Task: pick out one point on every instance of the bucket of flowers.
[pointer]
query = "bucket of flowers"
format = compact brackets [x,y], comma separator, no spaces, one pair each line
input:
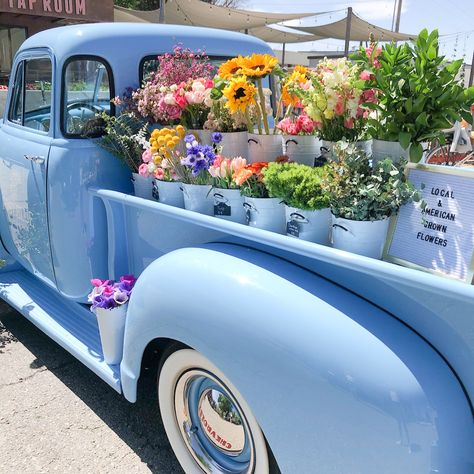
[300,187]
[193,172]
[262,210]
[228,202]
[336,101]
[109,300]
[241,83]
[160,160]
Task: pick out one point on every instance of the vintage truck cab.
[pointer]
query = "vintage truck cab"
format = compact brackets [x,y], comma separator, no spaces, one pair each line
[327,361]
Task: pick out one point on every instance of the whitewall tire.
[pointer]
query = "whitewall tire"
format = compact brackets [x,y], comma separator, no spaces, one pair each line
[209,425]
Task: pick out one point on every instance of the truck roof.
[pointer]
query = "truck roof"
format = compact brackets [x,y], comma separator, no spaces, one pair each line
[106,39]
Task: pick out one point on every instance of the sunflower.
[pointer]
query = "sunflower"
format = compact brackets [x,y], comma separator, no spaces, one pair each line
[258,65]
[239,94]
[231,68]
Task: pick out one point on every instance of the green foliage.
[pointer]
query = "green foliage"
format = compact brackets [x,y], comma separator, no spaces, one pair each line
[297,185]
[124,137]
[359,192]
[419,93]
[254,187]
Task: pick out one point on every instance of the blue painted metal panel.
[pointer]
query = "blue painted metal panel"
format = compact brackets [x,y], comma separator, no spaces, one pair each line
[70,324]
[337,384]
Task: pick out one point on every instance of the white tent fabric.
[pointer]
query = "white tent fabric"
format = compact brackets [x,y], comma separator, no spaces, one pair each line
[272,35]
[360,30]
[197,13]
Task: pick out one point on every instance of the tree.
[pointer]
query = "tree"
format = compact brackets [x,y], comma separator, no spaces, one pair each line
[154,4]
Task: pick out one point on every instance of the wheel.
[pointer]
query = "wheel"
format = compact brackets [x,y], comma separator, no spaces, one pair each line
[209,425]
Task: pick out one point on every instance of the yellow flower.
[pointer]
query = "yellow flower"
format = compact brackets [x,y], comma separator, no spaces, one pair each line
[231,68]
[153,149]
[329,114]
[258,65]
[176,140]
[161,141]
[155,133]
[170,144]
[301,70]
[239,94]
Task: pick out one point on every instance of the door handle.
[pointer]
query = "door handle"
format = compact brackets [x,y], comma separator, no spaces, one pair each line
[36,159]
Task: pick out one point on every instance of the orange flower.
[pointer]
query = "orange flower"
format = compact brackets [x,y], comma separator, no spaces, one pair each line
[258,65]
[242,175]
[231,68]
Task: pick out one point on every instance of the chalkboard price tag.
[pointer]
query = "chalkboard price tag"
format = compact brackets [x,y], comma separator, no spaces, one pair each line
[222,209]
[438,238]
[293,228]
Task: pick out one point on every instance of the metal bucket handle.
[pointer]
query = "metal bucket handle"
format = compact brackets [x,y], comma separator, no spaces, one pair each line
[291,140]
[343,228]
[299,217]
[220,198]
[249,207]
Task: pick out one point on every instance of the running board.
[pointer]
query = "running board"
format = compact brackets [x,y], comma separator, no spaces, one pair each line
[70,324]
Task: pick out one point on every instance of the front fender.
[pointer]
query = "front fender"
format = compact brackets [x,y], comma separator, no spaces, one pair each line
[337,385]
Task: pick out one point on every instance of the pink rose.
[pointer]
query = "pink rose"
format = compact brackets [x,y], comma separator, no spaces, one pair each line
[293,129]
[369,95]
[305,124]
[284,124]
[159,173]
[180,100]
[143,170]
[147,156]
[349,122]
[209,84]
[339,109]
[366,75]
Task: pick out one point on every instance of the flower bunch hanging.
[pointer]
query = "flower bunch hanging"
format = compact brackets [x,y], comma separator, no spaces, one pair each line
[336,100]
[108,294]
[162,157]
[223,169]
[240,81]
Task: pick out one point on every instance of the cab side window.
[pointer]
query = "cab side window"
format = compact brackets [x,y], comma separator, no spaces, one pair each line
[31,100]
[87,92]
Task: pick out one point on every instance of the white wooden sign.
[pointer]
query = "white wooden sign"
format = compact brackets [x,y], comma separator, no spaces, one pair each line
[439,238]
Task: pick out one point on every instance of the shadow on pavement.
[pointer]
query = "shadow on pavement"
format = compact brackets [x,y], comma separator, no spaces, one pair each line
[139,425]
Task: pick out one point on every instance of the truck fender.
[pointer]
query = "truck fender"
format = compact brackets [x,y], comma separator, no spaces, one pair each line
[328,375]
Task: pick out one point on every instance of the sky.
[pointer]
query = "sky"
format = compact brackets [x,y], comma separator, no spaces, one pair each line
[454,20]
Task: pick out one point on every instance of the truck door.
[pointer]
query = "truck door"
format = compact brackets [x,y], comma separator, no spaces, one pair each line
[25,140]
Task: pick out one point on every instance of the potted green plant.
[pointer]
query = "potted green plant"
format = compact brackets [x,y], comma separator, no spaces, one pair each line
[363,198]
[418,94]
[306,203]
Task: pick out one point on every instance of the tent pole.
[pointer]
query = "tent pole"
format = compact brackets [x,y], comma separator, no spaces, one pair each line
[348,31]
[471,74]
[399,14]
[161,18]
[283,55]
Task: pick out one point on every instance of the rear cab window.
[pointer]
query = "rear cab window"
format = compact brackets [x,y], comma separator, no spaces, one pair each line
[87,91]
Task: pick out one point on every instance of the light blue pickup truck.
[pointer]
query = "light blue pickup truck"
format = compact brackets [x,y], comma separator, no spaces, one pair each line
[325,361]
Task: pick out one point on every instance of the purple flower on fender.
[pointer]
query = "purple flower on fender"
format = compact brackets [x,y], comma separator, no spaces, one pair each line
[216,137]
[108,294]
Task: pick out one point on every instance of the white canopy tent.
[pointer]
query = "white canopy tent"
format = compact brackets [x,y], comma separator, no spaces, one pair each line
[197,13]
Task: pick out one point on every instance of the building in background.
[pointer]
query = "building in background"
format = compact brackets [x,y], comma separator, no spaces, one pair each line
[20,19]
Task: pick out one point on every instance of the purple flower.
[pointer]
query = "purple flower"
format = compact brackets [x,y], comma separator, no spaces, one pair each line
[189,138]
[216,137]
[109,294]
[120,297]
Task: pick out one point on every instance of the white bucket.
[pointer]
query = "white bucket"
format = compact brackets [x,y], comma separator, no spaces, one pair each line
[264,147]
[111,328]
[235,144]
[361,237]
[169,192]
[302,149]
[197,198]
[265,213]
[382,149]
[143,186]
[313,226]
[229,205]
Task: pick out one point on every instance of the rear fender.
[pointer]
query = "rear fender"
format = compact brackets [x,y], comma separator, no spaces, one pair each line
[331,379]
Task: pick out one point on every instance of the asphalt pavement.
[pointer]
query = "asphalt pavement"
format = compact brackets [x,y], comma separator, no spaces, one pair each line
[58,416]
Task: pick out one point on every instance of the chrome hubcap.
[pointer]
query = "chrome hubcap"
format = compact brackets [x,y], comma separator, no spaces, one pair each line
[212,425]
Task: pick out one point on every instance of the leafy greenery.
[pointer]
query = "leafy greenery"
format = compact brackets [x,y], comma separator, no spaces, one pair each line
[418,91]
[124,137]
[155,4]
[359,192]
[297,185]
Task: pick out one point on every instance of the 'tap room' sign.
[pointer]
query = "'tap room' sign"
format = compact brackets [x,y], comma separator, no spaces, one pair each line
[440,237]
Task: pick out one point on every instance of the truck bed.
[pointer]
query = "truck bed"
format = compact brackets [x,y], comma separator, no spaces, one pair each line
[440,310]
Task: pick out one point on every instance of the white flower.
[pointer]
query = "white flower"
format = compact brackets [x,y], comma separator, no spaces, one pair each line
[163,89]
[151,167]
[173,87]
